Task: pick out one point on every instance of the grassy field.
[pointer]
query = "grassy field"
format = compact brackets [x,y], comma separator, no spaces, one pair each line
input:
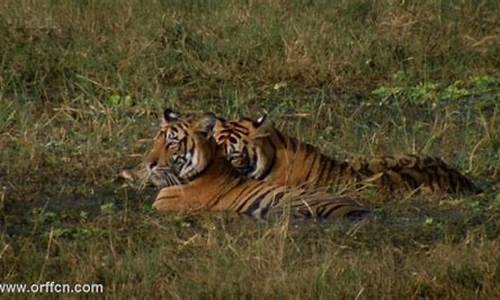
[82,84]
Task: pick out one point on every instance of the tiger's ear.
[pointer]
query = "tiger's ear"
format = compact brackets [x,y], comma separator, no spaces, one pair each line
[262,126]
[170,116]
[261,121]
[219,124]
[206,124]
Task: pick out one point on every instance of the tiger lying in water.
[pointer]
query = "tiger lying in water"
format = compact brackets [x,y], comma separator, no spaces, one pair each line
[194,176]
[262,152]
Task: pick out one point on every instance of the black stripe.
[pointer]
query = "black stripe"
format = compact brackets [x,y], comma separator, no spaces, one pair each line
[311,168]
[293,144]
[240,128]
[191,150]
[281,137]
[254,192]
[256,202]
[279,195]
[227,190]
[254,154]
[306,150]
[325,174]
[331,209]
[271,165]
[331,174]
[321,168]
[244,190]
[410,180]
[319,211]
[343,167]
[209,163]
[242,204]
[168,197]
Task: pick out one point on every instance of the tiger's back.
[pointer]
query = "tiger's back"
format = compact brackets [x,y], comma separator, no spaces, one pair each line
[264,153]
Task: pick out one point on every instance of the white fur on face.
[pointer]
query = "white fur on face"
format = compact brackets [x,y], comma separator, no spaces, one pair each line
[260,164]
[194,164]
[189,167]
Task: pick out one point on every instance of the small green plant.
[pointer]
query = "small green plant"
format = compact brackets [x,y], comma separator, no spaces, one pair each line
[454,91]
[497,201]
[431,93]
[118,101]
[108,208]
[40,216]
[386,93]
[476,207]
[84,216]
[484,84]
[423,93]
[147,208]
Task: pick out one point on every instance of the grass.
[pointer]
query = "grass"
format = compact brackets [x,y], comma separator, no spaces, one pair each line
[81,87]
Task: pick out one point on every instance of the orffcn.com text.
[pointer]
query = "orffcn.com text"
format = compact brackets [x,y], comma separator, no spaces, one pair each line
[51,287]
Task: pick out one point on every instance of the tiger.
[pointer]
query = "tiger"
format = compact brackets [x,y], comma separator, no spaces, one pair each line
[193,175]
[260,151]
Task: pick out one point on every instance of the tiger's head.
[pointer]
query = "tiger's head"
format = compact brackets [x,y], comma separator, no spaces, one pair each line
[182,149]
[246,145]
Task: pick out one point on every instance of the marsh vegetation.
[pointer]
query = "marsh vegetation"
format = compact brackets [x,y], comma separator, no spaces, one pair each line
[82,85]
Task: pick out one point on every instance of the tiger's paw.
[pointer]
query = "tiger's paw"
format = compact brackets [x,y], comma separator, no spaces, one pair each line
[162,205]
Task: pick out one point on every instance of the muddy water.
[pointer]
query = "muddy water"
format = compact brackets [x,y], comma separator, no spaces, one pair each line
[19,217]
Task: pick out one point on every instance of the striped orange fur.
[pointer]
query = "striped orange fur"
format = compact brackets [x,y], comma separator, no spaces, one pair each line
[262,152]
[194,176]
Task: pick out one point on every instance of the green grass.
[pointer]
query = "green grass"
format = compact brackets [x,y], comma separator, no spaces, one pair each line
[82,84]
